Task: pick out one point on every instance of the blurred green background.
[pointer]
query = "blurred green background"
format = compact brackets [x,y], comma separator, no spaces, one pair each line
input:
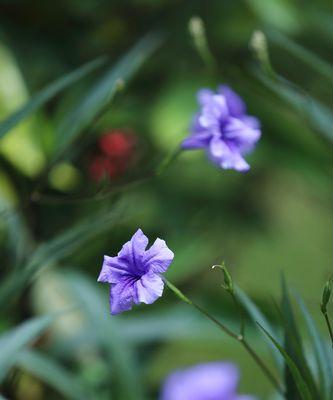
[275,219]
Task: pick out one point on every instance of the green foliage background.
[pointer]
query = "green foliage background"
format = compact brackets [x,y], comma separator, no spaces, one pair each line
[275,219]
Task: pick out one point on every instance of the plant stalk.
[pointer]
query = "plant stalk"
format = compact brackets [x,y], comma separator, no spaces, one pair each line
[230,333]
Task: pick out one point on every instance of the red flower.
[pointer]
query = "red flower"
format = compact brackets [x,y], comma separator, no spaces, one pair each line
[116,144]
[101,168]
[114,156]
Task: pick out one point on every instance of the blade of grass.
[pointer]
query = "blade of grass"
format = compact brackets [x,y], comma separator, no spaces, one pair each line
[47,93]
[109,336]
[324,365]
[13,341]
[57,249]
[294,345]
[257,316]
[306,56]
[103,91]
[316,114]
[301,384]
[49,371]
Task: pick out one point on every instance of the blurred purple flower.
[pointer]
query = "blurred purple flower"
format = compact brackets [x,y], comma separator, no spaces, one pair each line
[223,128]
[134,274]
[211,381]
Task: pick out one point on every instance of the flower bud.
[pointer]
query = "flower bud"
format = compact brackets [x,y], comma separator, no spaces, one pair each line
[258,44]
[228,283]
[326,296]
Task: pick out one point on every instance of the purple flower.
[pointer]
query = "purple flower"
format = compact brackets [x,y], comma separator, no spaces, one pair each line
[223,128]
[134,274]
[211,381]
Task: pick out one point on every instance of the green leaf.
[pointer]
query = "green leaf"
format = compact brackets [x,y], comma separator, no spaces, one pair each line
[305,55]
[47,93]
[324,362]
[258,317]
[57,249]
[294,346]
[13,341]
[53,374]
[103,91]
[18,237]
[316,114]
[301,384]
[109,335]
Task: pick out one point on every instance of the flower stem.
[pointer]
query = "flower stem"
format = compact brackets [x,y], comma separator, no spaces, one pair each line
[161,168]
[240,312]
[230,333]
[329,326]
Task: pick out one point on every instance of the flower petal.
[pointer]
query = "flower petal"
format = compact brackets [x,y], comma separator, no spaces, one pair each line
[227,156]
[149,288]
[204,95]
[236,105]
[121,296]
[158,257]
[199,136]
[241,135]
[251,122]
[213,112]
[133,251]
[215,380]
[113,269]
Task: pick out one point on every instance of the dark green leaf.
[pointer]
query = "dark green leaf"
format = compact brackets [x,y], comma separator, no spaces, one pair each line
[108,334]
[324,362]
[258,317]
[13,341]
[316,114]
[305,55]
[294,347]
[47,93]
[104,90]
[303,389]
[53,374]
[57,249]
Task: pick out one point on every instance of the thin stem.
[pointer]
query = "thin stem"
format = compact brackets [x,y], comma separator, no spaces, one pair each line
[39,197]
[328,323]
[166,162]
[262,365]
[240,312]
[230,333]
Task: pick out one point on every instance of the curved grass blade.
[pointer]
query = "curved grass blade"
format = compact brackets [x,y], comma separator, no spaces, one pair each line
[324,365]
[294,346]
[258,317]
[301,384]
[103,91]
[53,374]
[108,335]
[313,60]
[13,341]
[57,249]
[317,115]
[47,93]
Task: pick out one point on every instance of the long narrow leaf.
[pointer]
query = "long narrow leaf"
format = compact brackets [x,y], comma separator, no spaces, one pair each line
[104,90]
[57,249]
[107,332]
[324,364]
[53,374]
[12,342]
[258,317]
[301,384]
[319,116]
[294,346]
[305,55]
[47,93]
